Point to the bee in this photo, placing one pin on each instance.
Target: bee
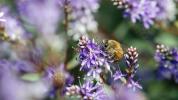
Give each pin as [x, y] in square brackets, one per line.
[114, 49]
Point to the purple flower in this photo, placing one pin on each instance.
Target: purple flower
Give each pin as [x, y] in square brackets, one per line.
[12, 26]
[18, 66]
[122, 93]
[43, 14]
[167, 60]
[11, 79]
[131, 59]
[82, 18]
[59, 76]
[133, 85]
[142, 10]
[95, 71]
[118, 75]
[91, 90]
[92, 57]
[167, 10]
[147, 11]
[60, 79]
[88, 91]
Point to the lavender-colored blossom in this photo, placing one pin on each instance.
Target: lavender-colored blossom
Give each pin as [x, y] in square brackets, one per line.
[131, 59]
[81, 26]
[18, 66]
[147, 11]
[10, 80]
[167, 10]
[95, 71]
[122, 93]
[82, 19]
[91, 91]
[58, 75]
[73, 90]
[92, 57]
[13, 27]
[167, 60]
[60, 79]
[88, 91]
[118, 75]
[141, 10]
[43, 14]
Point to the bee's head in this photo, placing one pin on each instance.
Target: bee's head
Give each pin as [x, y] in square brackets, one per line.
[105, 43]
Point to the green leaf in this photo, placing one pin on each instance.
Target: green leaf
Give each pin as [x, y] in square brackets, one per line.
[31, 77]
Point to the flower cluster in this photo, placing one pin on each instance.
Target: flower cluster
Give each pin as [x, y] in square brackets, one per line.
[80, 16]
[123, 93]
[44, 18]
[92, 57]
[167, 10]
[167, 60]
[88, 91]
[147, 11]
[82, 19]
[11, 78]
[59, 78]
[46, 21]
[11, 27]
[131, 59]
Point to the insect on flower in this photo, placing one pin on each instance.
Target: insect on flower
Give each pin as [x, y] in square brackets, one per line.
[114, 49]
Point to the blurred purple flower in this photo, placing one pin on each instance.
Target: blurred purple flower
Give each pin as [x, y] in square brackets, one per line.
[60, 79]
[88, 91]
[43, 14]
[51, 73]
[13, 27]
[82, 18]
[167, 60]
[167, 10]
[10, 80]
[92, 57]
[122, 93]
[18, 66]
[142, 10]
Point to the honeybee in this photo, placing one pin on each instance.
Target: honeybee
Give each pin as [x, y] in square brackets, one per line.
[114, 49]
